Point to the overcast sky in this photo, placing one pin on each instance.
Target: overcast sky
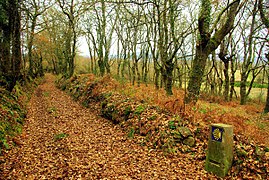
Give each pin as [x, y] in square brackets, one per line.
[83, 47]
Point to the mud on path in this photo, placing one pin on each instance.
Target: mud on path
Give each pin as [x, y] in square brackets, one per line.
[63, 140]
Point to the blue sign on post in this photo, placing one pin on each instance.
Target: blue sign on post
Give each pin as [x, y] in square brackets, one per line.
[219, 157]
[216, 134]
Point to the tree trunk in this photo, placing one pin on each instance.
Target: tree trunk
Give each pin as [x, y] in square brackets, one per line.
[169, 78]
[206, 44]
[134, 75]
[71, 66]
[73, 51]
[243, 89]
[30, 47]
[15, 43]
[145, 68]
[123, 67]
[5, 51]
[265, 21]
[232, 80]
[55, 68]
[248, 55]
[196, 77]
[40, 66]
[157, 75]
[118, 58]
[225, 60]
[138, 74]
[266, 108]
[101, 66]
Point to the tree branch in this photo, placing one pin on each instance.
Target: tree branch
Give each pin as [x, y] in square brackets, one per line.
[262, 13]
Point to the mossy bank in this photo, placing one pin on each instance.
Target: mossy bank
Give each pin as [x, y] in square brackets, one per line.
[13, 111]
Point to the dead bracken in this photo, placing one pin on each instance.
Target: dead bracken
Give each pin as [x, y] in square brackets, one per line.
[133, 138]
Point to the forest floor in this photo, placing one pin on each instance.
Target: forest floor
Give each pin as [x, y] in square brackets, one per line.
[63, 140]
[248, 120]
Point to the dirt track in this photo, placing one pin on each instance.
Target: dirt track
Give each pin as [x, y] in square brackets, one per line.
[63, 140]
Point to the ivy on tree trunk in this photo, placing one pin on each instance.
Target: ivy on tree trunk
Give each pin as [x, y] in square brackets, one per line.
[10, 43]
[206, 43]
[265, 21]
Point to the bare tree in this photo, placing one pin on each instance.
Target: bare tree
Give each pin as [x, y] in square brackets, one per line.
[33, 9]
[100, 32]
[248, 54]
[208, 42]
[265, 19]
[72, 11]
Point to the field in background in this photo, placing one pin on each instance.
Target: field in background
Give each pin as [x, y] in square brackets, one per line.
[258, 92]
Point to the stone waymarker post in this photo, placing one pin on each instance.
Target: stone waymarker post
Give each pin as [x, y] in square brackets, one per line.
[219, 156]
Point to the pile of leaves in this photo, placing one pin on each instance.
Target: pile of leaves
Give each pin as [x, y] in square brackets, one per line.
[13, 111]
[157, 127]
[250, 159]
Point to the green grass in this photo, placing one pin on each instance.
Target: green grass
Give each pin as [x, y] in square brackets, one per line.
[139, 109]
[46, 94]
[52, 109]
[255, 85]
[60, 136]
[131, 133]
[255, 94]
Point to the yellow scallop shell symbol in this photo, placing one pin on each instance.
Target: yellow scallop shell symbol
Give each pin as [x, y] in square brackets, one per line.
[217, 134]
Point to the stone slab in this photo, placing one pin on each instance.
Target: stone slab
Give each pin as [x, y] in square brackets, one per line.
[219, 156]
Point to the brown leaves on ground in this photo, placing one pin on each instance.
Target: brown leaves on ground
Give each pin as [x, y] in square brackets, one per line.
[63, 140]
[135, 110]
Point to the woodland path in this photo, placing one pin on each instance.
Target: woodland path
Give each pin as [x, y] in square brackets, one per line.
[93, 149]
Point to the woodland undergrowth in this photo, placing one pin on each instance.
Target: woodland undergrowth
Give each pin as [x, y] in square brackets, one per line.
[154, 120]
[13, 111]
